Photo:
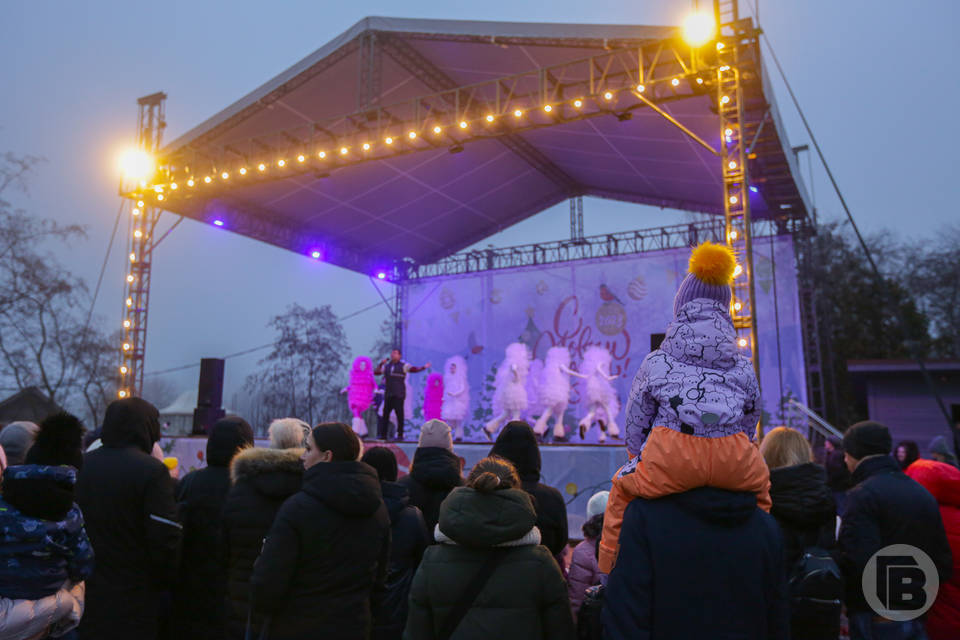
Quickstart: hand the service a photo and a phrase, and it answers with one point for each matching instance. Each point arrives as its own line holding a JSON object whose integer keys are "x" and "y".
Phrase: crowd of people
{"x": 703, "y": 534}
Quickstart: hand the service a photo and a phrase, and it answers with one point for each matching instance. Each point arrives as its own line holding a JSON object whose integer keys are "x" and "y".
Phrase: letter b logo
{"x": 900, "y": 582}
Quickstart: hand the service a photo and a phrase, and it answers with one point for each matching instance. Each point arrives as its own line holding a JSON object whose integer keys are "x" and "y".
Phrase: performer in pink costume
{"x": 360, "y": 392}
{"x": 433, "y": 397}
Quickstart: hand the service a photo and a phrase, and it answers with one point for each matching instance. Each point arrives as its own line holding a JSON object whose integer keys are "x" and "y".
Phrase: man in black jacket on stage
{"x": 126, "y": 496}
{"x": 394, "y": 371}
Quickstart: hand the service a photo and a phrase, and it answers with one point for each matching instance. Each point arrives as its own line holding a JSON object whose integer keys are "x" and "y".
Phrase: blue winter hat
{"x": 711, "y": 270}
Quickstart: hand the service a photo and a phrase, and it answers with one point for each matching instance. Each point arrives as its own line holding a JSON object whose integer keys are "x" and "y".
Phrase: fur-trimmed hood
{"x": 274, "y": 472}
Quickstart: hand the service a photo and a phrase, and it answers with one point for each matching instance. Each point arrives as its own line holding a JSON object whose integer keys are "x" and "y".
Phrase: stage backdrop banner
{"x": 622, "y": 303}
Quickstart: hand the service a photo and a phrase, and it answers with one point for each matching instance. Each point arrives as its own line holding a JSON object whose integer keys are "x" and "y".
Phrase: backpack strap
{"x": 469, "y": 595}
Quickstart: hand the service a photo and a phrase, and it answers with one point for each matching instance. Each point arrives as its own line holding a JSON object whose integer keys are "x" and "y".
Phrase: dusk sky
{"x": 873, "y": 78}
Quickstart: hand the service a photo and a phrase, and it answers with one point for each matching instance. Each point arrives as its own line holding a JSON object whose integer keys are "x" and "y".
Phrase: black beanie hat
{"x": 227, "y": 437}
{"x": 339, "y": 439}
{"x": 867, "y": 438}
{"x": 59, "y": 441}
{"x": 384, "y": 461}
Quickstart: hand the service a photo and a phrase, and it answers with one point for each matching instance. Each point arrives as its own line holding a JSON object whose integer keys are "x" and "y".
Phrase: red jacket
{"x": 943, "y": 481}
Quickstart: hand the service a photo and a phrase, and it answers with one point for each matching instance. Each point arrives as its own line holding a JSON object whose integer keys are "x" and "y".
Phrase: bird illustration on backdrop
{"x": 472, "y": 344}
{"x": 608, "y": 295}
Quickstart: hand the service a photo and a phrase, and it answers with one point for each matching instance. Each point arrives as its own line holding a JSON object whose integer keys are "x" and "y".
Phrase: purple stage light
{"x": 218, "y": 222}
{"x": 381, "y": 275}
{"x": 754, "y": 190}
{"x": 315, "y": 254}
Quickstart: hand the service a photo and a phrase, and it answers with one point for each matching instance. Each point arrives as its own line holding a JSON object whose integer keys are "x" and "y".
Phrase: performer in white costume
{"x": 601, "y": 398}
{"x": 510, "y": 394}
{"x": 554, "y": 391}
{"x": 456, "y": 395}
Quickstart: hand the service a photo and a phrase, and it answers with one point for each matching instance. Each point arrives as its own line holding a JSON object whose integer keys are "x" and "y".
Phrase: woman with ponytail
{"x": 489, "y": 577}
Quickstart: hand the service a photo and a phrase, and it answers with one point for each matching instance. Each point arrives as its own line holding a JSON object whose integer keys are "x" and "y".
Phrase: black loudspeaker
{"x": 209, "y": 395}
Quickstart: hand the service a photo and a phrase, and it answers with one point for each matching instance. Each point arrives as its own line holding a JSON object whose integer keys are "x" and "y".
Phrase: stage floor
{"x": 576, "y": 470}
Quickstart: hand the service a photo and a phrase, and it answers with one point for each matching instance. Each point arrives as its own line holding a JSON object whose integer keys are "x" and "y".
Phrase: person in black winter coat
{"x": 200, "y": 598}
{"x": 434, "y": 473}
{"x": 518, "y": 444}
{"x": 706, "y": 563}
{"x": 884, "y": 507}
{"x": 262, "y": 479}
{"x": 126, "y": 496}
{"x": 409, "y": 539}
{"x": 804, "y": 508}
{"x": 328, "y": 548}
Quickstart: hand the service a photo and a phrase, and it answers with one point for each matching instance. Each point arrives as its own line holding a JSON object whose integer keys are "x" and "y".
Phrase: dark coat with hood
{"x": 434, "y": 473}
{"x": 199, "y": 605}
{"x": 327, "y": 551}
{"x": 706, "y": 563}
{"x": 518, "y": 444}
{"x": 804, "y": 507}
{"x": 127, "y": 500}
{"x": 525, "y": 597}
{"x": 262, "y": 480}
{"x": 409, "y": 539}
{"x": 886, "y": 507}
{"x": 42, "y": 539}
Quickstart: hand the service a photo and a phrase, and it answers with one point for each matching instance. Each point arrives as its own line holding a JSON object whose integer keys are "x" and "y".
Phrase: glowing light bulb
{"x": 381, "y": 275}
{"x": 158, "y": 189}
{"x": 173, "y": 186}
{"x": 719, "y": 46}
{"x": 728, "y": 132}
{"x": 699, "y": 28}
{"x": 130, "y": 278}
{"x": 136, "y": 164}
{"x": 135, "y": 211}
{"x": 641, "y": 88}
{"x": 281, "y": 163}
{"x": 675, "y": 82}
{"x": 577, "y": 103}
{"x": 732, "y": 164}
{"x": 225, "y": 175}
{"x": 140, "y": 203}
{"x": 322, "y": 155}
{"x": 437, "y": 129}
{"x": 124, "y": 371}
{"x": 138, "y": 234}
{"x": 159, "y": 196}
{"x": 126, "y": 324}
{"x": 463, "y": 124}
{"x": 344, "y": 151}
{"x": 734, "y": 200}
{"x": 243, "y": 171}
{"x": 737, "y": 270}
{"x": 207, "y": 179}
{"x": 218, "y": 223}
{"x": 315, "y": 255}
{"x": 122, "y": 393}
{"x": 129, "y": 302}
{"x": 133, "y": 257}
{"x": 517, "y": 113}
{"x": 126, "y": 346}
{"x": 547, "y": 108}
{"x": 262, "y": 167}
{"x": 388, "y": 140}
{"x": 733, "y": 235}
{"x": 725, "y": 67}
{"x": 608, "y": 96}
{"x": 412, "y": 135}
{"x": 301, "y": 158}
{"x": 190, "y": 182}
{"x": 699, "y": 80}
{"x": 489, "y": 118}
{"x": 737, "y": 306}
{"x": 724, "y": 99}
{"x": 366, "y": 146}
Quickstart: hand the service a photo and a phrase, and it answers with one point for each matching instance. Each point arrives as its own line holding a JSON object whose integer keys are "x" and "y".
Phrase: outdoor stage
{"x": 577, "y": 471}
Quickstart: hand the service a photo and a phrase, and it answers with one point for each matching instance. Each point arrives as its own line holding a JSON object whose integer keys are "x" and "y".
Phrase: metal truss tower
{"x": 142, "y": 222}
{"x": 734, "y": 36}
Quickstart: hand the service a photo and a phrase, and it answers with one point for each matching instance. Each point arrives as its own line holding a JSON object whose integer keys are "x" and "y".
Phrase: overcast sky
{"x": 873, "y": 78}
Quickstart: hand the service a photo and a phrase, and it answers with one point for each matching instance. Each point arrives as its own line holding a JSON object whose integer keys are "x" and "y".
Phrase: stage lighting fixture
{"x": 190, "y": 182}
{"x": 754, "y": 190}
{"x": 698, "y": 29}
{"x": 243, "y": 171}
{"x": 140, "y": 203}
{"x": 281, "y": 163}
{"x": 517, "y": 113}
{"x": 322, "y": 155}
{"x": 123, "y": 370}
{"x": 225, "y": 175}
{"x": 675, "y": 82}
{"x": 737, "y": 306}
{"x": 133, "y": 257}
{"x": 733, "y": 235}
{"x": 388, "y": 140}
{"x": 737, "y": 270}
{"x": 207, "y": 179}
{"x": 136, "y": 164}
{"x": 412, "y": 135}
{"x": 725, "y": 67}
{"x": 126, "y": 324}
{"x": 608, "y": 96}
{"x": 728, "y": 132}
{"x": 577, "y": 103}
{"x": 126, "y": 346}
{"x": 719, "y": 46}
{"x": 437, "y": 129}
{"x": 381, "y": 275}
{"x": 489, "y": 118}
{"x": 724, "y": 99}
{"x": 742, "y": 342}
{"x": 366, "y": 146}
{"x": 122, "y": 393}
{"x": 547, "y": 108}
{"x": 135, "y": 211}
{"x": 734, "y": 200}
{"x": 159, "y": 196}
{"x": 463, "y": 124}
{"x": 173, "y": 186}
{"x": 641, "y": 88}
{"x": 129, "y": 302}
{"x": 138, "y": 234}
{"x": 300, "y": 158}
{"x": 130, "y": 278}
{"x": 732, "y": 165}
{"x": 218, "y": 222}
{"x": 158, "y": 189}
{"x": 315, "y": 254}
{"x": 344, "y": 151}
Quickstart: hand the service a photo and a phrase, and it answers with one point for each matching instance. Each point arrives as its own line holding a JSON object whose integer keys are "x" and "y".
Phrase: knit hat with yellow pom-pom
{"x": 711, "y": 272}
